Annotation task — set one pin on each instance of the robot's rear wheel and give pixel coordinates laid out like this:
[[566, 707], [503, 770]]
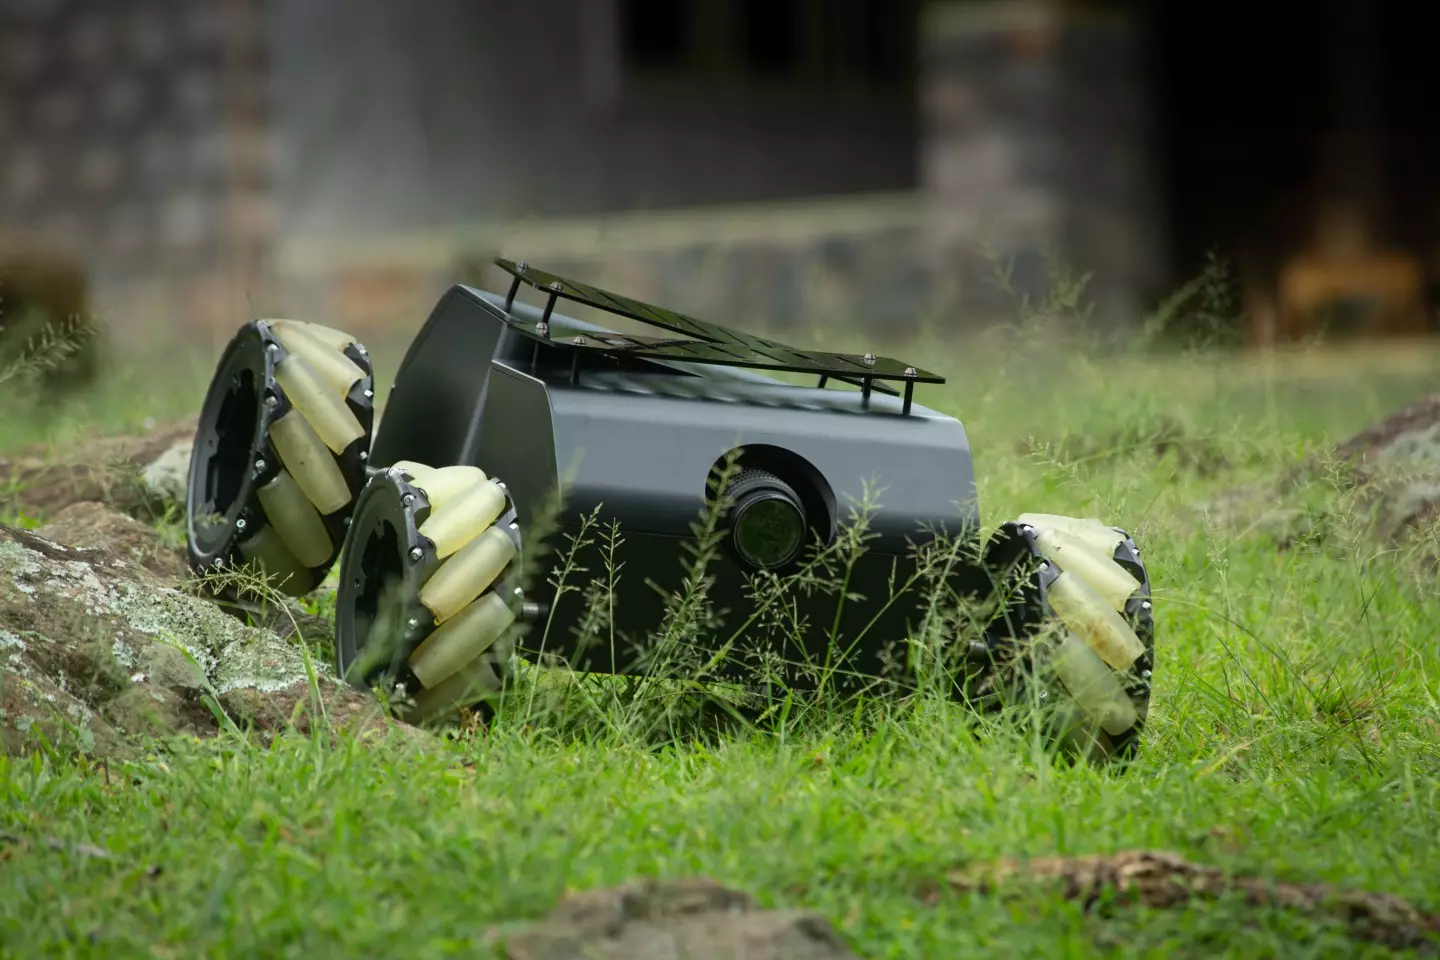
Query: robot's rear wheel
[[1078, 623], [429, 588]]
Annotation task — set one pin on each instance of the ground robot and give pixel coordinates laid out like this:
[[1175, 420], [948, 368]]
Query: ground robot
[[506, 414]]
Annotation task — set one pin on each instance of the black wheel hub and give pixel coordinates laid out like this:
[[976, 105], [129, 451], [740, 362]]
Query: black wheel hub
[[232, 452]]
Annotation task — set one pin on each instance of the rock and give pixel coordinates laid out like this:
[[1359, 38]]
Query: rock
[[96, 648], [41, 481], [94, 526], [696, 918], [167, 476]]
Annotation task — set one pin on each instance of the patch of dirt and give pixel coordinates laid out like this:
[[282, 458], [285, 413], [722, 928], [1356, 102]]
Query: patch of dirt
[[96, 648], [698, 919], [41, 481], [1387, 476], [1163, 880]]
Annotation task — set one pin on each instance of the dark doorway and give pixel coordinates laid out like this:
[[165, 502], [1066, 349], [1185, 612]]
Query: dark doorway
[[1245, 103], [1240, 110]]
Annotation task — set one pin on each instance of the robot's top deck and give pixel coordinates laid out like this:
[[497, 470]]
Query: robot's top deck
[[700, 342]]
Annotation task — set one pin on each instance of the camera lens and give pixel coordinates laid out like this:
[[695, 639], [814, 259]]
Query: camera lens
[[767, 521]]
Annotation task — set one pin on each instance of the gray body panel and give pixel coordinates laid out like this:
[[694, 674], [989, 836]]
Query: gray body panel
[[643, 445]]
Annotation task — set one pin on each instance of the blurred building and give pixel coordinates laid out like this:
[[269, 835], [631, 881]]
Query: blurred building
[[769, 159]]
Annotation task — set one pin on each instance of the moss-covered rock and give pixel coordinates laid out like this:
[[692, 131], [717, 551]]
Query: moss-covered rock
[[96, 649]]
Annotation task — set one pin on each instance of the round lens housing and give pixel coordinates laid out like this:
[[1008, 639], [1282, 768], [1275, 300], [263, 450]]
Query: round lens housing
[[767, 521]]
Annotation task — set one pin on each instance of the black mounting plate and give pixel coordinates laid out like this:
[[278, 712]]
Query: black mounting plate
[[701, 342]]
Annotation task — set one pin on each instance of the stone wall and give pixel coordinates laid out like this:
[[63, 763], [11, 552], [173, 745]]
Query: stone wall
[[851, 261], [1036, 146], [324, 158], [487, 112], [135, 133]]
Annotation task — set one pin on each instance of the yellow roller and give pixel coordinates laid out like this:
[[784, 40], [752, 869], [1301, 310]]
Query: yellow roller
[[472, 682], [458, 520], [467, 574], [459, 640], [417, 471], [309, 461], [338, 372], [337, 340], [1094, 686], [281, 567], [327, 413], [445, 484], [1100, 537], [294, 518], [1083, 611], [1111, 581]]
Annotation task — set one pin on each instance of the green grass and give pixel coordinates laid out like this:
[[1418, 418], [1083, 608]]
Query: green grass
[[1294, 734]]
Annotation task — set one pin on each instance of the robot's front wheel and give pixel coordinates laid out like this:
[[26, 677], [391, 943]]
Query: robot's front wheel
[[279, 453], [429, 588], [1077, 621]]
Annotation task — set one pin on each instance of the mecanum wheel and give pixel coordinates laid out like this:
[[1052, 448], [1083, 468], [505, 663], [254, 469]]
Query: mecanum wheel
[[1078, 615], [429, 588], [280, 452]]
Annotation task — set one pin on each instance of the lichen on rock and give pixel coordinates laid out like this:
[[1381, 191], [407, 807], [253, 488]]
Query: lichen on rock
[[92, 639]]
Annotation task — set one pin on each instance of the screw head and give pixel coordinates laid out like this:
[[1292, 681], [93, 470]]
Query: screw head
[[364, 455], [556, 285], [1044, 694], [521, 267], [416, 553], [272, 401], [408, 499], [1145, 674], [369, 394], [869, 359], [259, 466], [413, 623], [543, 329], [911, 372], [272, 347], [518, 592], [579, 341], [240, 524], [1144, 604]]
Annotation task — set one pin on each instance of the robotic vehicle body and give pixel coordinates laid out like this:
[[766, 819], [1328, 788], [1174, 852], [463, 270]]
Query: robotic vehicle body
[[631, 430]]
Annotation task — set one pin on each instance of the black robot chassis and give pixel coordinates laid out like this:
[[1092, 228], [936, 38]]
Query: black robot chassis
[[503, 409]]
